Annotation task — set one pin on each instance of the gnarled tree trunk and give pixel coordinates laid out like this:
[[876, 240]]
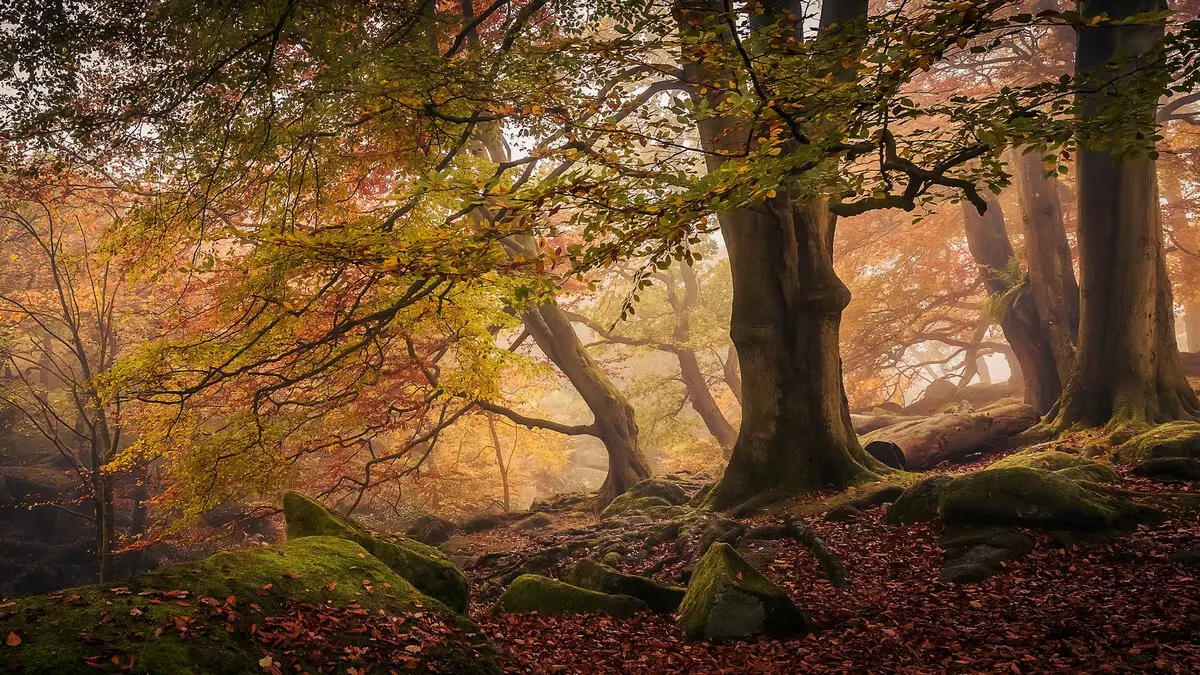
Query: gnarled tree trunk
[[796, 435], [989, 244], [1128, 368]]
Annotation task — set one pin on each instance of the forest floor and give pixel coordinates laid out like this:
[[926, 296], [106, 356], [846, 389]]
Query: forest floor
[[1112, 605]]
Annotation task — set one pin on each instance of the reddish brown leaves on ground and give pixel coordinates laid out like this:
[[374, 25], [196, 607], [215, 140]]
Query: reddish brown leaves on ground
[[1114, 606]]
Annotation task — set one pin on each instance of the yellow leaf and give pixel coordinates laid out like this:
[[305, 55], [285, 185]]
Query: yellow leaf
[[266, 661]]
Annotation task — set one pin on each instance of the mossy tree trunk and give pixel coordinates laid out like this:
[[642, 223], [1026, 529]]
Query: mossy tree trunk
[[1013, 299], [1128, 369], [796, 435], [1048, 255]]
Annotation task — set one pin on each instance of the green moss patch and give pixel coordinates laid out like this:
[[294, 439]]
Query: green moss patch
[[918, 503], [423, 566], [595, 576], [206, 616], [648, 493], [1175, 439], [1026, 497], [1065, 464], [727, 598], [534, 593]]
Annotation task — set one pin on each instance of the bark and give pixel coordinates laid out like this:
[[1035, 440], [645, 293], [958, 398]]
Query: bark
[[733, 373], [985, 373], [796, 435], [993, 253], [1128, 369], [928, 441], [500, 463], [614, 423], [1172, 191], [1048, 254]]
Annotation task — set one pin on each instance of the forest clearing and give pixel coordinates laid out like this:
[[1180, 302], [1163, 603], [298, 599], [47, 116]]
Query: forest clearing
[[599, 336]]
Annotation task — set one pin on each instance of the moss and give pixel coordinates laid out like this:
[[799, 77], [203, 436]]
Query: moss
[[1175, 439], [59, 630], [1067, 465], [843, 513], [918, 503], [1169, 468], [534, 593], [595, 576], [975, 564], [957, 541], [628, 504], [727, 598], [1027, 497], [423, 566], [432, 530], [533, 522]]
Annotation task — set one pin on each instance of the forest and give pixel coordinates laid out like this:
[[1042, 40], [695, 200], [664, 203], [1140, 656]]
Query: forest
[[599, 336]]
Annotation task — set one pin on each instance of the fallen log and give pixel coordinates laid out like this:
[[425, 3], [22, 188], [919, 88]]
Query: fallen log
[[940, 395], [927, 441], [865, 423]]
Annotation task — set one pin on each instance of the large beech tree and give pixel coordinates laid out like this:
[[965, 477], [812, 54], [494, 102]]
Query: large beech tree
[[1128, 368]]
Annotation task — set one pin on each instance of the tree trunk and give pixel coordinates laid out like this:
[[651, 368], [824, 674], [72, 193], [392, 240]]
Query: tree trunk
[[500, 463], [988, 241], [689, 365], [1171, 185], [1048, 253], [733, 373], [614, 417], [1128, 369], [927, 441], [796, 435]]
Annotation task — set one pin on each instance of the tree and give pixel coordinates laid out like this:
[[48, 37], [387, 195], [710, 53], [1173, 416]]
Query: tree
[[1128, 369]]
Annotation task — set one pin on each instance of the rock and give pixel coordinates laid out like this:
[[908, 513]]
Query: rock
[[887, 452], [956, 542], [533, 522], [482, 522], [976, 564], [534, 593], [425, 567], [628, 505], [1187, 558], [918, 503], [1027, 497], [612, 559], [843, 513], [727, 598], [1175, 439], [432, 530], [1067, 465], [120, 617], [1176, 468], [882, 495], [595, 576]]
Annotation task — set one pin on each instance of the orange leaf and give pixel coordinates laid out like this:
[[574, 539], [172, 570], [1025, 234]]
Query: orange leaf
[[13, 640]]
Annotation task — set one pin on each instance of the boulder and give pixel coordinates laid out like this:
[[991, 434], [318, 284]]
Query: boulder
[[432, 530], [650, 492], [918, 503], [727, 598], [533, 522], [425, 567], [843, 513], [1175, 439], [198, 616], [975, 564], [482, 522], [1065, 464], [548, 597], [1026, 497], [887, 452], [595, 576], [1172, 468]]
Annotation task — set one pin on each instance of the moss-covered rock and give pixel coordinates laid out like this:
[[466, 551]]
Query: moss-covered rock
[[198, 616], [624, 505], [976, 564], [727, 598], [432, 530], [958, 541], [595, 576], [1172, 468], [918, 503], [482, 522], [843, 513], [534, 593], [1175, 439], [643, 495], [1027, 497], [423, 566], [533, 522], [1065, 464]]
